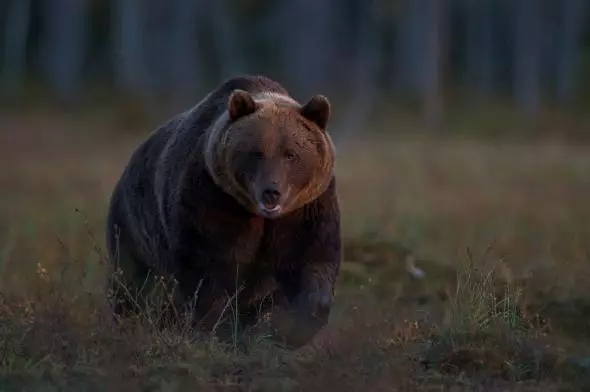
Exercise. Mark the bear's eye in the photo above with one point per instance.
(290, 156)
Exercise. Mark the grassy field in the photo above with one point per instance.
(501, 230)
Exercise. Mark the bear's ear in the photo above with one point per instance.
(240, 104)
(317, 110)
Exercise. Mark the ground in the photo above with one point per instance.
(500, 228)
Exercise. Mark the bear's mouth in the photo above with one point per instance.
(269, 209)
(270, 201)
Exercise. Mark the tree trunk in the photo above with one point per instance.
(231, 60)
(65, 39)
(128, 21)
(364, 82)
(308, 43)
(526, 56)
(15, 46)
(572, 22)
(185, 67)
(480, 47)
(409, 44)
(435, 26)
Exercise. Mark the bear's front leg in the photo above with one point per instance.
(309, 311)
(317, 292)
(299, 320)
(311, 284)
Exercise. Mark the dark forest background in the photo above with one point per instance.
(431, 54)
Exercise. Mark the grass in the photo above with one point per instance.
(500, 229)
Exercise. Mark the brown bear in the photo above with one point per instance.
(236, 192)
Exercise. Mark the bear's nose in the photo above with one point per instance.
(271, 196)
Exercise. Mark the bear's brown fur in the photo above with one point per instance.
(238, 191)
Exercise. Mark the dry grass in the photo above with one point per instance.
(501, 230)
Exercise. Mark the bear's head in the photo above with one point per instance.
(270, 153)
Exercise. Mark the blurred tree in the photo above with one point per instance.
(18, 14)
(435, 24)
(526, 78)
(480, 46)
(184, 47)
(364, 84)
(409, 44)
(308, 43)
(65, 37)
(571, 17)
(226, 38)
(419, 55)
(185, 62)
(158, 26)
(128, 21)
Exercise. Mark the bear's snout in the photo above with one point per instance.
(269, 202)
(271, 197)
